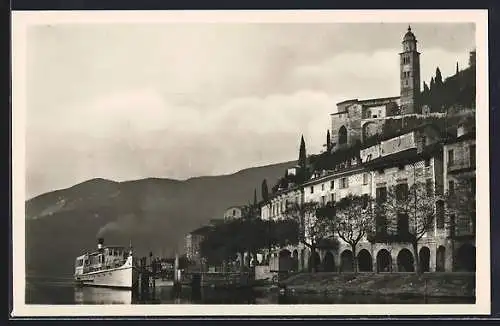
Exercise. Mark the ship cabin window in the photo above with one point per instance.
(79, 262)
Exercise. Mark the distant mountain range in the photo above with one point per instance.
(154, 214)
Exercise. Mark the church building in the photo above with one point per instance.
(358, 120)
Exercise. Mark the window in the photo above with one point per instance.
(381, 194)
(323, 200)
(429, 186)
(332, 184)
(402, 191)
(472, 155)
(332, 197)
(440, 214)
(342, 135)
(403, 224)
(381, 224)
(450, 157)
(322, 186)
(312, 189)
(451, 187)
(452, 225)
(365, 178)
(234, 212)
(344, 183)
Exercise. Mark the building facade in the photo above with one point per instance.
(459, 154)
(358, 120)
(421, 157)
(415, 157)
(233, 212)
(193, 241)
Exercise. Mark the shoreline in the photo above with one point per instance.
(430, 285)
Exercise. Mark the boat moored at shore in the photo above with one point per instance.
(108, 266)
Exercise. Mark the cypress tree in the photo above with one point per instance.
(255, 197)
(302, 153)
(439, 79)
(264, 190)
(328, 141)
(302, 160)
(457, 69)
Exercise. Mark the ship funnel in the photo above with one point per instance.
(100, 243)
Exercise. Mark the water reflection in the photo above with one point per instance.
(97, 295)
(66, 293)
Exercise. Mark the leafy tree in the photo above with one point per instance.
(311, 227)
(354, 219)
(238, 236)
(412, 213)
(264, 191)
(215, 247)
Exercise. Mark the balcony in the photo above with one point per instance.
(461, 164)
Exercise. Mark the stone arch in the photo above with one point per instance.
(440, 259)
(346, 261)
(314, 261)
(295, 257)
(369, 130)
(405, 261)
(424, 256)
(285, 253)
(365, 263)
(342, 137)
(328, 262)
(466, 258)
(384, 261)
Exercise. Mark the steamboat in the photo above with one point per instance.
(108, 266)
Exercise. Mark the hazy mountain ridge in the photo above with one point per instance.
(153, 213)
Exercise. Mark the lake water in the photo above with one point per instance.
(64, 292)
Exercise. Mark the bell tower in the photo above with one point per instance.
(409, 74)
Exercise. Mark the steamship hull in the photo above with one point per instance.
(108, 266)
(125, 277)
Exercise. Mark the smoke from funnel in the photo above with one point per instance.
(123, 225)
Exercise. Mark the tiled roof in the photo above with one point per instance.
(406, 156)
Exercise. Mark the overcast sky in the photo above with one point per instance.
(180, 100)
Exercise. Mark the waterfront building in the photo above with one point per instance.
(193, 241)
(459, 155)
(369, 161)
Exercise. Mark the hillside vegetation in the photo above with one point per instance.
(155, 214)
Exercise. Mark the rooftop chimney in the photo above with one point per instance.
(100, 243)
